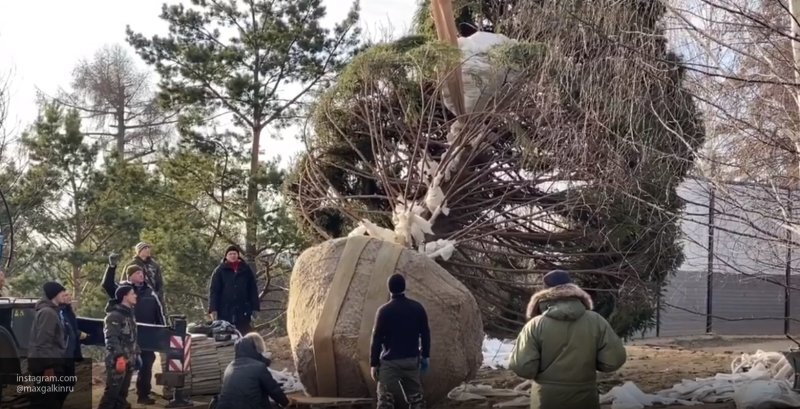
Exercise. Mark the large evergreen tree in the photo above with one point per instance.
(573, 164)
(240, 60)
(84, 212)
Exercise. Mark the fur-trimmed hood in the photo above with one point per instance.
(561, 292)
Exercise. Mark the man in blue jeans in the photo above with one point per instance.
(396, 359)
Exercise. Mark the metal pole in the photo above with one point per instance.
(710, 273)
(787, 304)
(658, 312)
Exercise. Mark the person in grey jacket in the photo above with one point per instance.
(47, 344)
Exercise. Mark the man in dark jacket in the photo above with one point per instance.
(233, 292)
(148, 310)
(396, 358)
(47, 345)
(74, 337)
(122, 348)
(152, 270)
(247, 382)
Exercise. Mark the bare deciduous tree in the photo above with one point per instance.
(117, 99)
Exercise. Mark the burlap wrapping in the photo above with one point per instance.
(335, 289)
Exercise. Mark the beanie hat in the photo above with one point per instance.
(141, 246)
(122, 291)
(556, 278)
(132, 269)
(232, 248)
(397, 284)
(52, 289)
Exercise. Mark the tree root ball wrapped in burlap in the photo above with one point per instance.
(359, 267)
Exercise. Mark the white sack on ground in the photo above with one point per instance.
(755, 379)
(751, 376)
(771, 394)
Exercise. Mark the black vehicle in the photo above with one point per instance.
(16, 318)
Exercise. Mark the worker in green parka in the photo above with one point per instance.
(563, 345)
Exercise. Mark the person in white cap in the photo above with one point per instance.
(152, 270)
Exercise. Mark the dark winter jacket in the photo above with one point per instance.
(562, 347)
(152, 276)
(73, 334)
(47, 345)
(247, 382)
(400, 324)
(120, 333)
(148, 307)
(233, 295)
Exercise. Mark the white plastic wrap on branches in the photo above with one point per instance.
(481, 79)
(290, 382)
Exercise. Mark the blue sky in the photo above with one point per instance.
(42, 40)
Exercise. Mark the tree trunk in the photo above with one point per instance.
(251, 225)
(76, 286)
(121, 132)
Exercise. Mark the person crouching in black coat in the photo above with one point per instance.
(247, 382)
(233, 292)
(148, 310)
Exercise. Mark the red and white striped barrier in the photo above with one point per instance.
(175, 364)
(187, 354)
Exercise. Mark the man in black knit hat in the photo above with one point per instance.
(47, 344)
(233, 292)
(122, 348)
(396, 359)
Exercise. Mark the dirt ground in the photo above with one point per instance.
(652, 364)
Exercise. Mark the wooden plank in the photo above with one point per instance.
(323, 400)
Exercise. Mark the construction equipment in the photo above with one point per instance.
(16, 319)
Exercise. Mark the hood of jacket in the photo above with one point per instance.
(46, 303)
(246, 348)
(566, 302)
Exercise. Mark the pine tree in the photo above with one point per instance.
(240, 59)
(573, 164)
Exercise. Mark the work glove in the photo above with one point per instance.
(121, 364)
(424, 365)
(113, 259)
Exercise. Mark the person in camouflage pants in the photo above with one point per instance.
(122, 346)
